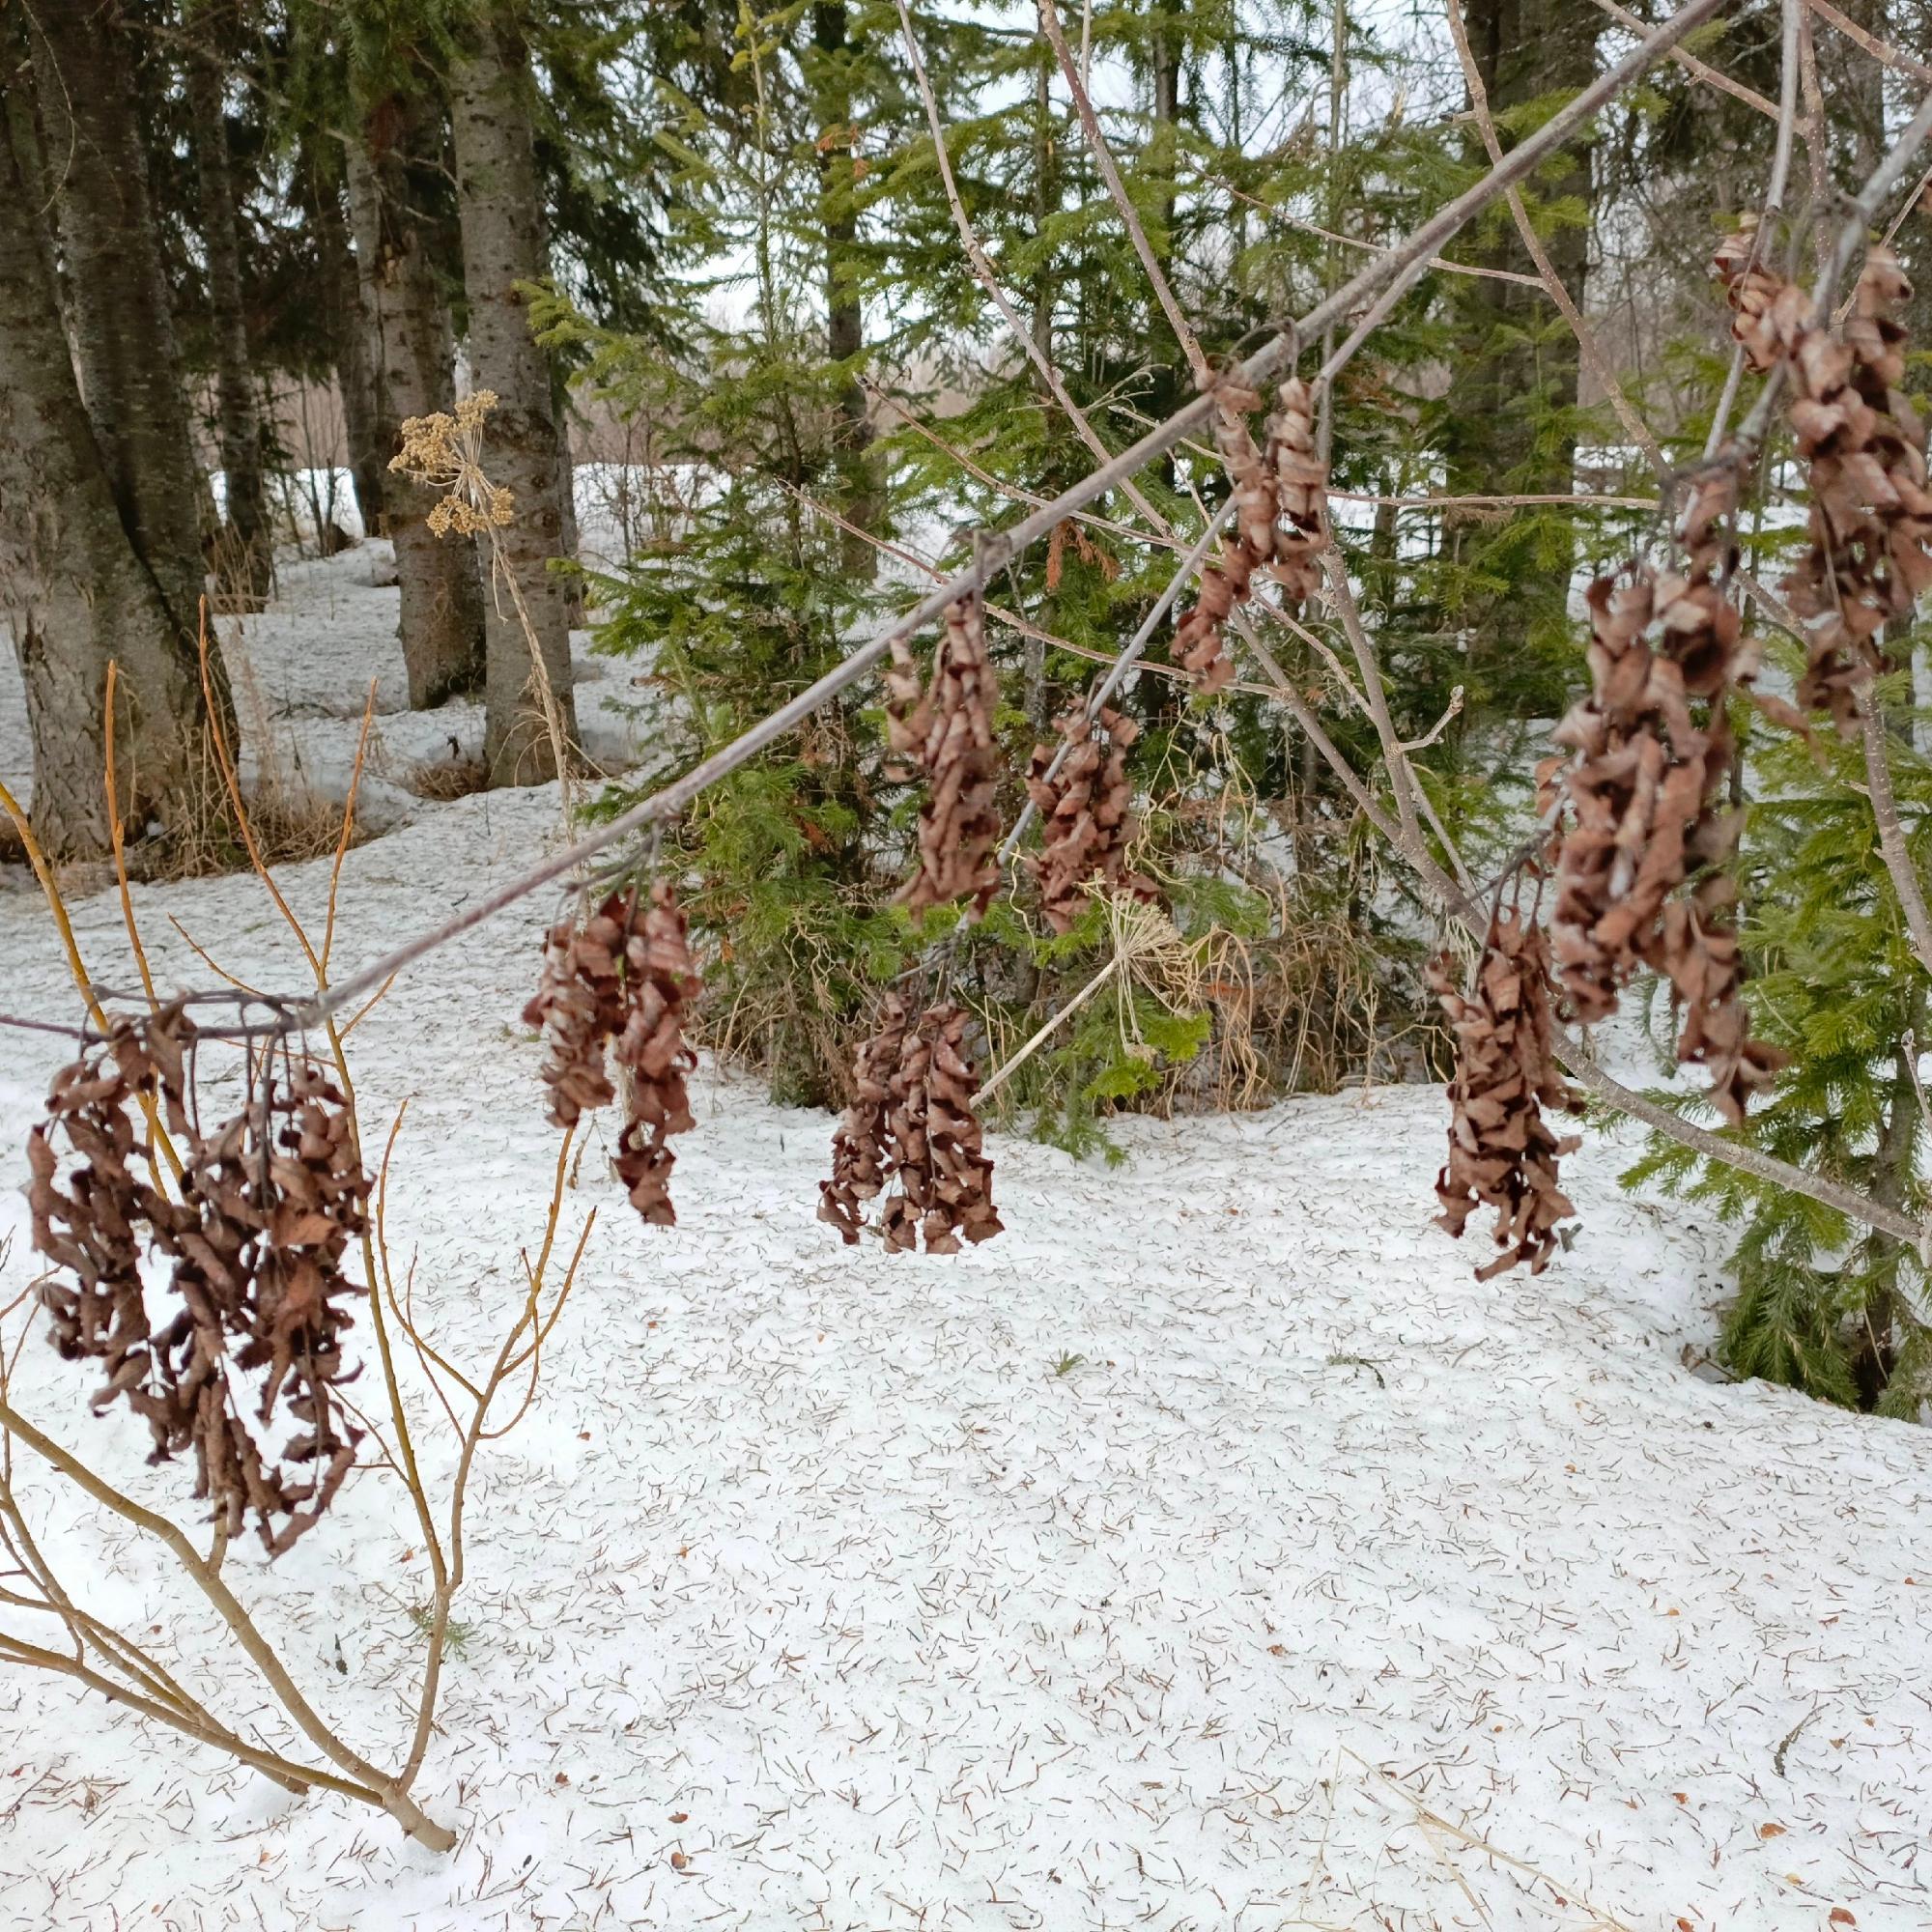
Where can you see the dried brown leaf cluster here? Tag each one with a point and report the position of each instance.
(1278, 520)
(944, 730)
(1086, 811)
(1869, 557)
(1503, 1153)
(912, 1122)
(1870, 553)
(1301, 490)
(268, 1204)
(1645, 787)
(617, 986)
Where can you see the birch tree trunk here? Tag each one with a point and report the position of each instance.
(243, 560)
(412, 357)
(527, 606)
(73, 593)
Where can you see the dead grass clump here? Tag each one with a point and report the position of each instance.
(443, 780)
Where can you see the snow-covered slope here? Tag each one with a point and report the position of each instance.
(1211, 1550)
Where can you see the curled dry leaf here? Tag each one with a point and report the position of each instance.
(659, 981)
(1279, 522)
(1085, 812)
(1650, 758)
(912, 1122)
(270, 1201)
(1870, 551)
(619, 984)
(946, 732)
(1503, 1153)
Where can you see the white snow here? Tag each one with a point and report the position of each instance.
(1328, 1587)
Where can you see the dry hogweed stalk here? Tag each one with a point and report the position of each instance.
(946, 732)
(1503, 1153)
(913, 1123)
(619, 987)
(659, 981)
(1870, 553)
(1085, 812)
(1644, 787)
(446, 453)
(268, 1205)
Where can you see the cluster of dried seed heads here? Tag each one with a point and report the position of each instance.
(1650, 754)
(268, 1205)
(616, 988)
(946, 732)
(912, 1122)
(1086, 811)
(1503, 1152)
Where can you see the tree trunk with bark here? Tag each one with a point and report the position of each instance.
(1514, 398)
(73, 593)
(844, 312)
(124, 340)
(351, 339)
(243, 559)
(412, 355)
(527, 606)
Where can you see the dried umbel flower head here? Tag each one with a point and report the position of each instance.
(912, 1122)
(946, 732)
(446, 453)
(268, 1204)
(1085, 812)
(1503, 1153)
(620, 987)
(1651, 753)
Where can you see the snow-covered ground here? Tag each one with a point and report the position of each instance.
(1209, 1551)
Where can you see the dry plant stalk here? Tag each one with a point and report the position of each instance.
(913, 1123)
(264, 1205)
(621, 981)
(1644, 787)
(945, 731)
(1503, 1153)
(446, 453)
(1085, 812)
(1280, 523)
